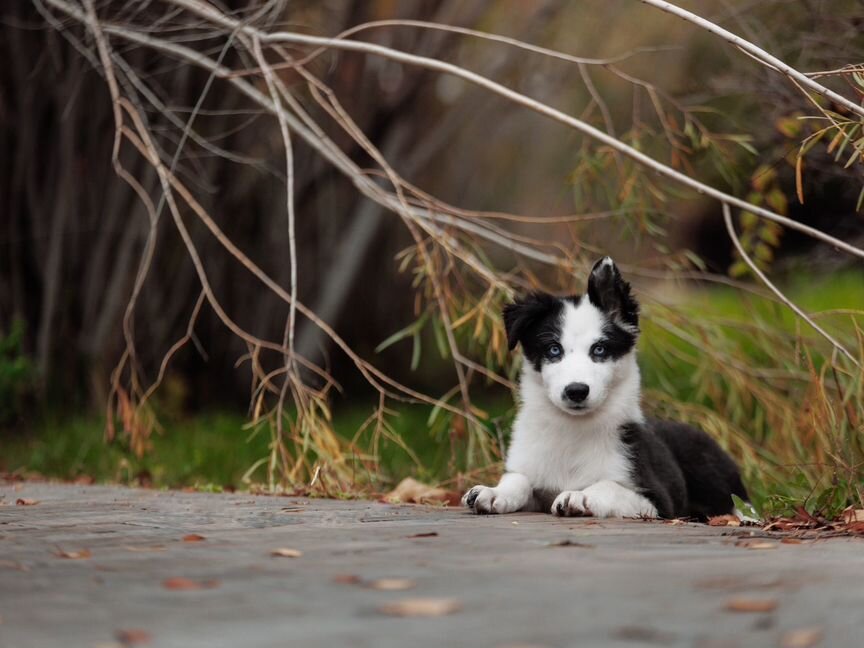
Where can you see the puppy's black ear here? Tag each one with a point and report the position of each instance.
(524, 313)
(611, 294)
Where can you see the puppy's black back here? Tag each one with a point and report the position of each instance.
(655, 470)
(682, 470)
(710, 474)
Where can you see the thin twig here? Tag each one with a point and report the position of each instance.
(757, 53)
(727, 218)
(528, 102)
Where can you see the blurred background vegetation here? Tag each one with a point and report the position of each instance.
(717, 349)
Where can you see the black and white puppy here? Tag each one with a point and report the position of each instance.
(580, 443)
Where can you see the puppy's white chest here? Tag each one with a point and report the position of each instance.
(567, 459)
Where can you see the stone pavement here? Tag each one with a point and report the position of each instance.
(130, 578)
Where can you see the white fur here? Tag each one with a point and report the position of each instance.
(576, 453)
(511, 494)
(581, 327)
(604, 499)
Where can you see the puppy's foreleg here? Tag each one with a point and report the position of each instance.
(604, 499)
(512, 494)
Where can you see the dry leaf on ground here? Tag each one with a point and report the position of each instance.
(724, 520)
(411, 491)
(801, 638)
(24, 501)
(180, 583)
(193, 537)
(745, 604)
(421, 607)
(391, 584)
(13, 564)
(851, 515)
(73, 555)
(286, 553)
(756, 544)
(133, 637)
(762, 545)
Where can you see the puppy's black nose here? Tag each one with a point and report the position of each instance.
(576, 392)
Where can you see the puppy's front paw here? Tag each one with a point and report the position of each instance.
(482, 499)
(571, 504)
(479, 499)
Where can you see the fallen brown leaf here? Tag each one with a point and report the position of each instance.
(73, 555)
(180, 583)
(391, 584)
(851, 515)
(744, 604)
(801, 638)
(411, 491)
(13, 564)
(133, 637)
(286, 553)
(724, 520)
(347, 579)
(791, 541)
(428, 534)
(855, 527)
(756, 544)
(24, 501)
(802, 514)
(193, 537)
(421, 607)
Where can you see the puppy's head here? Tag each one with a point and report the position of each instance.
(579, 346)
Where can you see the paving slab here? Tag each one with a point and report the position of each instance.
(515, 580)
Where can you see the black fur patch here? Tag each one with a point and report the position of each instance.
(542, 499)
(534, 321)
(608, 291)
(618, 341)
(682, 470)
(655, 471)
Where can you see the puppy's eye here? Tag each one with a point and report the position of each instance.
(554, 351)
(598, 351)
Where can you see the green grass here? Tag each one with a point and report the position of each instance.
(663, 371)
(208, 449)
(213, 450)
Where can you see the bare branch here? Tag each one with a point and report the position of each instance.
(756, 53)
(516, 97)
(727, 218)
